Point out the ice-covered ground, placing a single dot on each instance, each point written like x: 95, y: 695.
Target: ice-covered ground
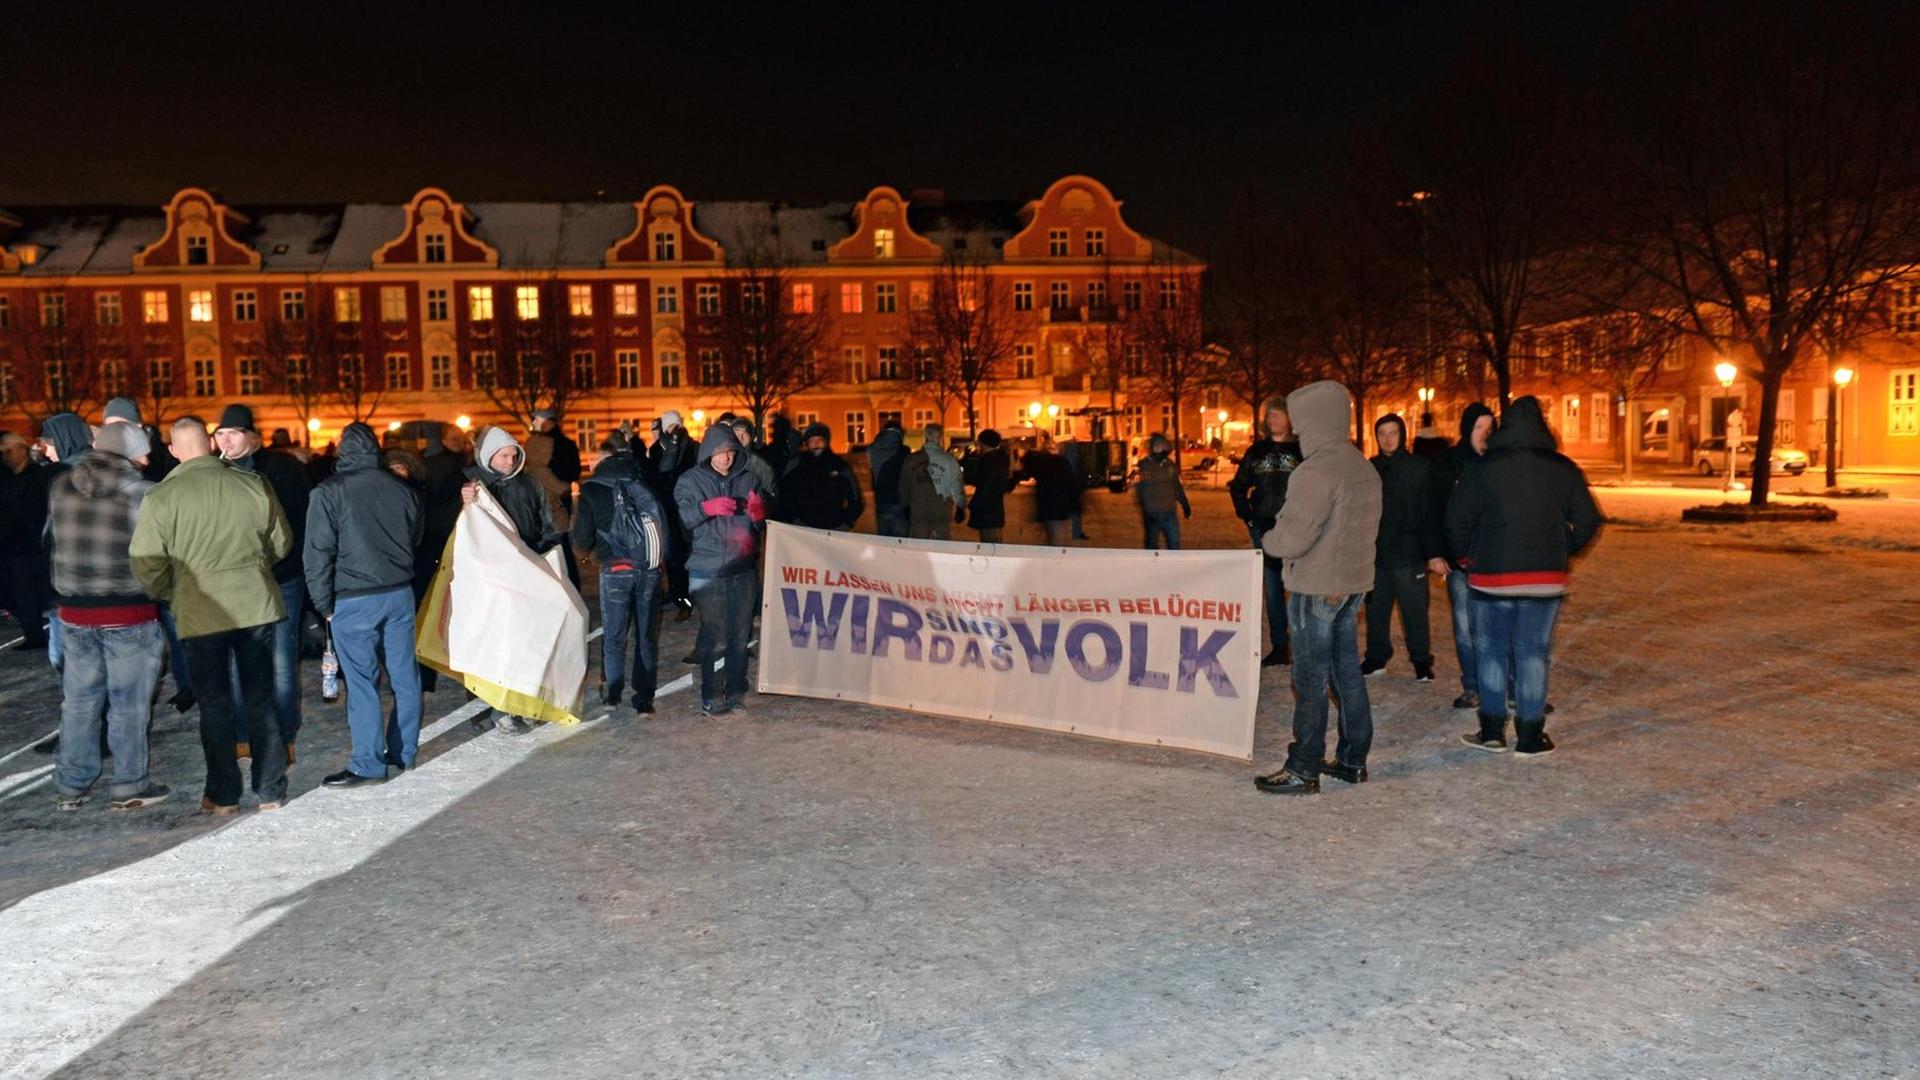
x: 1715, y: 876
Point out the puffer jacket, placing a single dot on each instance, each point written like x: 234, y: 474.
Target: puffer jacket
x: 94, y: 507
x: 525, y: 504
x: 205, y: 545
x: 720, y: 543
x: 1325, y: 533
x: 1516, y: 521
x: 363, y: 524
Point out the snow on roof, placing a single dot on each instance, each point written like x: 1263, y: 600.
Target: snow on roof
x: 799, y: 232
x: 292, y: 240
x: 364, y: 228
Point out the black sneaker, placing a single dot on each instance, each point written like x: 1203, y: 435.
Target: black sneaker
x: 644, y: 708
x: 1423, y: 673
x: 146, y: 796
x: 1346, y: 774
x: 1531, y: 744
x: 690, y: 658
x: 348, y: 778
x: 1467, y: 700
x: 610, y: 692
x: 1492, y: 736
x: 710, y: 710
x: 1286, y: 783
x: 1370, y: 668
x: 183, y: 700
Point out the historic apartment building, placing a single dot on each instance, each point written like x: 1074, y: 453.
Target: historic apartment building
x: 191, y: 305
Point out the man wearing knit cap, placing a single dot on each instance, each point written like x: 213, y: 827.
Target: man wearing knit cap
x: 110, y: 629
x: 124, y: 412
x: 160, y: 460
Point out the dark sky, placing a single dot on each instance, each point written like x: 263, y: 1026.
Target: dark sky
x: 1177, y: 108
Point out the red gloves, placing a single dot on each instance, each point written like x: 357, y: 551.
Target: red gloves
x: 718, y: 506
x: 756, y: 508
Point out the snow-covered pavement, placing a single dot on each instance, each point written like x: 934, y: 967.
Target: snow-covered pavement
x: 1715, y: 876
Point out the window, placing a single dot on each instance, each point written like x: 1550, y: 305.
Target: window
x: 160, y: 376
x: 804, y: 420
x: 586, y: 434
x: 440, y: 372
x: 206, y: 377
x: 1059, y: 295
x: 346, y: 303
x: 393, y: 303
x: 1133, y: 360
x: 1169, y: 294
x: 246, y: 305
x: 666, y: 247
x: 106, y: 308
x: 1023, y: 296
x: 1063, y: 361
x: 919, y: 295
x: 886, y: 298
x: 1056, y: 241
x: 886, y: 362
x: 53, y: 309
x: 580, y: 301
x: 706, y: 299
x: 1906, y: 308
x: 6, y: 384
x: 710, y: 369
x: 883, y: 243
x: 1096, y: 241
x: 248, y: 370
x: 526, y: 302
x: 854, y: 360
x: 55, y: 372
x: 197, y: 251
x: 924, y: 367
x: 585, y: 371
x: 296, y: 372
x: 669, y: 368
x: 1063, y: 426
x: 293, y: 305
x: 1166, y: 419
x: 803, y: 298
x: 626, y: 300
x: 399, y: 371
x: 851, y: 297
x: 666, y: 299
x: 1603, y: 418
x: 438, y: 305
x: 113, y: 378
x: 1096, y: 294
x: 626, y: 368
x: 922, y: 417
x: 1903, y: 402
x: 753, y: 297
x: 480, y: 302
x: 1130, y: 295
x: 485, y: 370
x: 1570, y: 418
x: 856, y: 429
x: 352, y: 368
x: 200, y: 305
x: 153, y: 305
x: 884, y: 418
x: 1023, y: 361
x: 436, y: 247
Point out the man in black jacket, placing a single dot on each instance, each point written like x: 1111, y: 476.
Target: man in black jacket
x: 1408, y: 547
x: 1514, y: 524
x: 621, y: 522
x: 363, y: 524
x: 1259, y: 490
x: 1476, y: 427
x: 671, y: 455
x: 819, y: 490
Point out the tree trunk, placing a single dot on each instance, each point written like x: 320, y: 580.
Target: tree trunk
x: 1771, y: 375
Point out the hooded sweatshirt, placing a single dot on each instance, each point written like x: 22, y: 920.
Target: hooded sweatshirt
x: 363, y: 524
x: 525, y: 504
x: 1517, y: 519
x: 1410, y: 504
x: 440, y: 484
x: 884, y: 459
x: 70, y: 436
x: 721, y: 543
x: 94, y: 507
x: 1325, y: 533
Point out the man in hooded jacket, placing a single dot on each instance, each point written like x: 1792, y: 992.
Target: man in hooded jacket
x: 672, y: 454
x: 1324, y: 538
x: 499, y: 465
x: 884, y: 460
x: 1476, y: 428
x: 1409, y: 546
x: 631, y: 554
x: 64, y: 437
x: 724, y: 514
x: 819, y: 489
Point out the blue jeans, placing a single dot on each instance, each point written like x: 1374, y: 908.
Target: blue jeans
x: 286, y: 660
x: 629, y: 603
x: 115, y: 669
x: 1274, y: 592
x: 1516, y: 633
x: 366, y: 628
x: 1325, y: 649
x: 890, y: 520
x: 725, y: 604
x: 1165, y: 524
x: 56, y: 652
x: 1461, y: 597
x: 176, y: 656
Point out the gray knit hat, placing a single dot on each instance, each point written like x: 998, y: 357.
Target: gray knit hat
x: 128, y: 441
x: 123, y: 409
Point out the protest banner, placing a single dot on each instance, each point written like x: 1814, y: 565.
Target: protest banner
x: 1153, y: 647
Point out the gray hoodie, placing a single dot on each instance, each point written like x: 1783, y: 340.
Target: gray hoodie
x: 718, y: 543
x: 516, y: 492
x: 1326, y: 531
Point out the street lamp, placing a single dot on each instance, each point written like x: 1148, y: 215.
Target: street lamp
x: 313, y: 428
x: 1841, y: 377
x: 1725, y: 372
x: 1223, y: 416
x: 1425, y: 394
x: 463, y: 422
x: 1033, y: 411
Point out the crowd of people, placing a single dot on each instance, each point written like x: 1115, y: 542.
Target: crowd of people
x: 126, y: 555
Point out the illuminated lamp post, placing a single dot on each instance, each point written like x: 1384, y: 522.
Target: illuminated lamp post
x: 463, y: 422
x: 1841, y: 377
x: 313, y: 428
x: 1725, y: 372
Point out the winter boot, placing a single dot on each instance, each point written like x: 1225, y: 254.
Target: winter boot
x: 1423, y: 673
x: 1492, y: 736
x: 1530, y: 738
x: 1467, y: 700
x: 610, y: 692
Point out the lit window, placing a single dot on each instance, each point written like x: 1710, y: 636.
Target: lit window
x: 399, y: 371
x: 1096, y: 241
x: 883, y: 243
x: 1130, y: 295
x: 393, y: 303
x: 710, y: 372
x: 585, y: 372
x: 1023, y: 361
x: 706, y: 299
x: 666, y: 247
x: 526, y: 302
x: 153, y: 305
x: 919, y: 295
x: 485, y: 368
x: 53, y: 309
x: 886, y: 298
x: 1903, y: 402
x: 1059, y: 295
x: 886, y: 362
x: 666, y: 299
x: 855, y: 359
x: 438, y: 303
x: 803, y: 298
x: 1570, y: 418
x: 851, y: 297
x: 246, y: 305
x: 480, y: 302
x: 106, y: 308
x: 580, y: 301
x: 197, y: 251
x: 436, y: 247
x: 200, y: 305
x: 346, y: 303
x: 626, y: 368
x: 1056, y: 241
x: 206, y: 377
x: 626, y: 300
x: 293, y: 305
x: 669, y: 368
x: 856, y: 429
x: 248, y: 370
x: 440, y: 372
x: 1023, y: 296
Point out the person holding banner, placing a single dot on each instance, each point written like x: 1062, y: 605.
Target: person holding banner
x: 1324, y: 537
x: 724, y: 513
x: 499, y: 466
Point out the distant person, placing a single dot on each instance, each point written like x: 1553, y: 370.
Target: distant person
x: 64, y: 438
x: 1515, y: 523
x: 622, y: 525
x: 23, y: 517
x: 206, y: 543
x: 1408, y: 548
x: 1056, y: 493
x: 673, y: 453
x: 1157, y: 486
x: 990, y: 472
x: 885, y: 458
x: 566, y: 453
x: 754, y: 459
x: 1075, y: 454
x: 819, y: 489
x: 541, y: 447
x: 1476, y: 428
x: 1324, y: 536
x: 1259, y: 490
x: 933, y: 489
x: 724, y: 514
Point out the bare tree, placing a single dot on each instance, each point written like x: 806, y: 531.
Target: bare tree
x: 1169, y: 328
x: 1620, y: 355
x: 299, y: 349
x: 1246, y: 304
x: 53, y: 349
x: 770, y: 331
x: 966, y: 332
x: 1769, y: 168
x: 533, y: 337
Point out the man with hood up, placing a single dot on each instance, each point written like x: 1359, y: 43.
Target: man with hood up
x: 672, y: 454
x: 932, y: 489
x: 110, y: 627
x: 499, y: 464
x: 363, y: 525
x: 1514, y: 524
x: 885, y: 459
x: 160, y: 460
x: 1259, y: 490
x: 724, y: 514
x: 1476, y: 428
x: 1324, y: 538
x: 1409, y: 546
x: 753, y: 458
x: 819, y: 490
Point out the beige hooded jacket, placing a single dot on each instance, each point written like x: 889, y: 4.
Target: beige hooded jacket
x: 1326, y: 531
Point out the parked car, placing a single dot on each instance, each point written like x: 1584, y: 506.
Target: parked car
x: 1711, y: 456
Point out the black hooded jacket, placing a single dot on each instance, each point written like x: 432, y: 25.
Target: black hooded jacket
x: 441, y: 488
x: 1259, y: 485
x: 820, y: 492
x: 1526, y: 509
x: 1410, y: 505
x: 288, y: 479
x: 1461, y: 456
x: 363, y: 524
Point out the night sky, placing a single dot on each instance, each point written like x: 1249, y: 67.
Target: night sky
x: 1180, y: 109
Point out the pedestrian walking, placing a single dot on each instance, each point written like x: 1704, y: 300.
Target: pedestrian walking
x: 1259, y: 490
x: 990, y: 473
x: 621, y: 523
x: 819, y: 489
x: 1408, y: 548
x: 885, y: 458
x: 364, y: 524
x: 1476, y: 427
x: 1324, y: 536
x: 1157, y: 486
x: 724, y: 514
x: 932, y: 489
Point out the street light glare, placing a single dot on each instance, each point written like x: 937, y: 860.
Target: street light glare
x: 1725, y: 372
x: 1842, y: 376
x: 313, y: 424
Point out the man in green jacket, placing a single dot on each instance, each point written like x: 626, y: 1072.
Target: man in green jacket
x: 205, y: 546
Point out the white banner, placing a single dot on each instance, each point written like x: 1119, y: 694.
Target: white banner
x: 1161, y: 648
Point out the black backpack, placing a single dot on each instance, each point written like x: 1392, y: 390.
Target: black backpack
x: 638, y: 533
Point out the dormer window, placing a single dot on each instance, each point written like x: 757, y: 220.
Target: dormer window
x: 883, y: 243
x: 1096, y: 241
x: 1056, y: 241
x: 197, y: 251
x: 435, y: 247
x: 666, y: 247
